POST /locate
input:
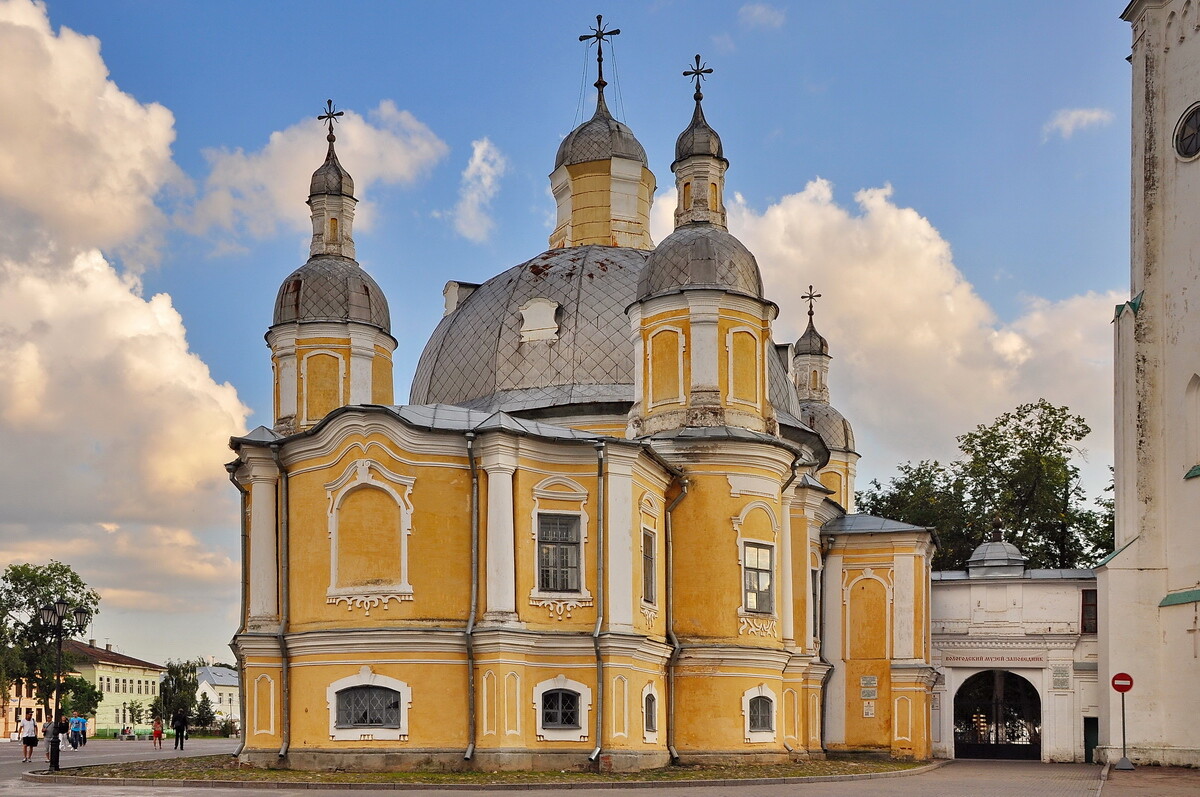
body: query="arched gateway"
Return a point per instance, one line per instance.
(997, 714)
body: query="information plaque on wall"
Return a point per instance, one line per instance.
(1062, 678)
(868, 708)
(868, 680)
(868, 693)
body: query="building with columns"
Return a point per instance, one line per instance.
(613, 527)
(1150, 587)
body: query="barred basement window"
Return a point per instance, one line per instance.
(558, 553)
(757, 569)
(761, 714)
(560, 709)
(368, 706)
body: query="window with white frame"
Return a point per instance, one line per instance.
(757, 569)
(367, 707)
(758, 714)
(651, 713)
(558, 553)
(648, 569)
(562, 707)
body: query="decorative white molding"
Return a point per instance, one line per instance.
(341, 383)
(650, 613)
(585, 709)
(748, 484)
(538, 321)
(765, 626)
(369, 474)
(758, 369)
(680, 349)
(367, 677)
(270, 729)
(650, 736)
(559, 608)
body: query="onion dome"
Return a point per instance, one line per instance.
(331, 288)
(331, 177)
(699, 138)
(600, 138)
(812, 342)
(700, 255)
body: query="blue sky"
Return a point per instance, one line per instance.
(953, 177)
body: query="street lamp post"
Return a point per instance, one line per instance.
(54, 617)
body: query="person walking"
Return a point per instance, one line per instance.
(179, 725)
(76, 724)
(29, 736)
(156, 734)
(47, 734)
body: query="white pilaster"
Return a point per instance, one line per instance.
(705, 349)
(787, 610)
(500, 463)
(362, 356)
(904, 607)
(264, 560)
(619, 537)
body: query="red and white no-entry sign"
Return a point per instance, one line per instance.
(1122, 682)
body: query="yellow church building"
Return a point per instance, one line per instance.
(613, 527)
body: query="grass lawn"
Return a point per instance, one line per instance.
(226, 768)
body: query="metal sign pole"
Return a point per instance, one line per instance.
(1124, 763)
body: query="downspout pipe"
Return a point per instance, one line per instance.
(600, 593)
(470, 631)
(676, 648)
(285, 679)
(231, 468)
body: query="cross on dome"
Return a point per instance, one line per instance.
(810, 297)
(599, 34)
(330, 116)
(698, 73)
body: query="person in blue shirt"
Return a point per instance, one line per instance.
(77, 726)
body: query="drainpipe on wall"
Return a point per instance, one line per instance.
(285, 681)
(245, 604)
(469, 635)
(670, 618)
(600, 519)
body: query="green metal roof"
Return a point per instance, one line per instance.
(1176, 598)
(1113, 555)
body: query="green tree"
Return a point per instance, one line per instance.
(30, 649)
(205, 715)
(80, 695)
(1018, 472)
(137, 712)
(157, 711)
(178, 688)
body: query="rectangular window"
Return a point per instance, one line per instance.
(648, 566)
(1089, 622)
(757, 568)
(558, 553)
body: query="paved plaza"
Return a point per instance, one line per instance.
(956, 779)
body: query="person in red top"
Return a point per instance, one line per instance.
(156, 734)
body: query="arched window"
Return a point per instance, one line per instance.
(368, 707)
(651, 713)
(762, 712)
(687, 196)
(712, 196)
(814, 381)
(333, 229)
(560, 709)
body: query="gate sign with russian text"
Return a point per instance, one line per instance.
(1122, 682)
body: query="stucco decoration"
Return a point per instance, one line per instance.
(537, 320)
(578, 734)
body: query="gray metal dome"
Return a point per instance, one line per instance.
(698, 139)
(331, 177)
(599, 138)
(476, 356)
(833, 427)
(700, 254)
(812, 342)
(996, 553)
(331, 288)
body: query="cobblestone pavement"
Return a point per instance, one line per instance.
(1153, 782)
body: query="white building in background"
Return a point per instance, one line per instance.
(1017, 657)
(221, 686)
(1150, 588)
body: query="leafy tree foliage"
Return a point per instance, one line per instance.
(80, 695)
(137, 712)
(156, 708)
(1018, 473)
(27, 646)
(206, 716)
(178, 688)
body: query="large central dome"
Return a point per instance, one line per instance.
(477, 358)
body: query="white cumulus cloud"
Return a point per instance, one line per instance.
(1068, 120)
(761, 15)
(255, 193)
(480, 183)
(919, 356)
(114, 432)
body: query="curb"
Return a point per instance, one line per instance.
(38, 777)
